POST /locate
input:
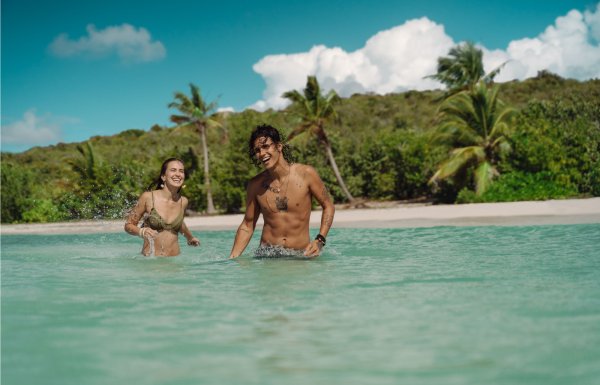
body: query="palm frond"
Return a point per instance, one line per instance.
(461, 69)
(459, 159)
(180, 119)
(298, 130)
(294, 96)
(196, 98)
(312, 91)
(314, 108)
(489, 77)
(484, 174)
(194, 109)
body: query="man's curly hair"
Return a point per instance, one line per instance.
(267, 131)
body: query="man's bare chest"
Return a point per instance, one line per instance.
(292, 198)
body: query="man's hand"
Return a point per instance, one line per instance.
(313, 249)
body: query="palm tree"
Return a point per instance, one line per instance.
(197, 112)
(476, 123)
(88, 166)
(463, 69)
(316, 109)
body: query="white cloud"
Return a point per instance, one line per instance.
(394, 60)
(568, 48)
(593, 20)
(225, 109)
(31, 130)
(127, 42)
(398, 59)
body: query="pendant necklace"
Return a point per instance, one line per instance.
(281, 202)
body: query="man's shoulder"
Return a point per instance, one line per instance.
(304, 170)
(258, 179)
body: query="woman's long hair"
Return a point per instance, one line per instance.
(158, 183)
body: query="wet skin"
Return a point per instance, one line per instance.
(283, 194)
(169, 203)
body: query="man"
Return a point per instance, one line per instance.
(283, 194)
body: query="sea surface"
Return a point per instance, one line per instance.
(440, 305)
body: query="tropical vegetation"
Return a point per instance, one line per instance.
(474, 120)
(463, 69)
(387, 147)
(476, 124)
(314, 109)
(197, 113)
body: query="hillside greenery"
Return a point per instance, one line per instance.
(384, 146)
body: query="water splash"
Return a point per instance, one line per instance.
(151, 242)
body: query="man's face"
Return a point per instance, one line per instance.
(266, 151)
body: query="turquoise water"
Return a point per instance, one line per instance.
(444, 305)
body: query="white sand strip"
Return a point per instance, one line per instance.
(570, 211)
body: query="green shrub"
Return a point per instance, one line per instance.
(519, 186)
(43, 210)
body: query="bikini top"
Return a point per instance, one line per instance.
(156, 222)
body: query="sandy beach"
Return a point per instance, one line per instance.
(392, 215)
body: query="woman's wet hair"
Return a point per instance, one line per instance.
(267, 131)
(157, 183)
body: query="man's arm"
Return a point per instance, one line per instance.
(246, 228)
(320, 193)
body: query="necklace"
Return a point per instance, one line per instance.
(281, 202)
(275, 190)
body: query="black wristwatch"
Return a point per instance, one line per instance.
(321, 239)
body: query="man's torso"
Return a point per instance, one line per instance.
(285, 208)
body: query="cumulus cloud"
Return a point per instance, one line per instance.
(398, 59)
(31, 130)
(394, 60)
(570, 48)
(127, 42)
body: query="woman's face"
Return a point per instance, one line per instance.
(174, 174)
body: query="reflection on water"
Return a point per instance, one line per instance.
(420, 306)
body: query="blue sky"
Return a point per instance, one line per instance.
(75, 69)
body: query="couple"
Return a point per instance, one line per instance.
(282, 193)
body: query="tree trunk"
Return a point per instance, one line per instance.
(210, 207)
(338, 176)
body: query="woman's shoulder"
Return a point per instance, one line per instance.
(146, 197)
(184, 200)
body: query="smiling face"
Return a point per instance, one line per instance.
(267, 152)
(174, 174)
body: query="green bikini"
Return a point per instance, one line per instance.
(156, 222)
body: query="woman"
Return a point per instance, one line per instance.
(162, 210)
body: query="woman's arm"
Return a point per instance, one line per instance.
(191, 240)
(131, 225)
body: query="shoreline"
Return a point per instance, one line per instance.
(569, 211)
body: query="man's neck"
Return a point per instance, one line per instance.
(281, 170)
